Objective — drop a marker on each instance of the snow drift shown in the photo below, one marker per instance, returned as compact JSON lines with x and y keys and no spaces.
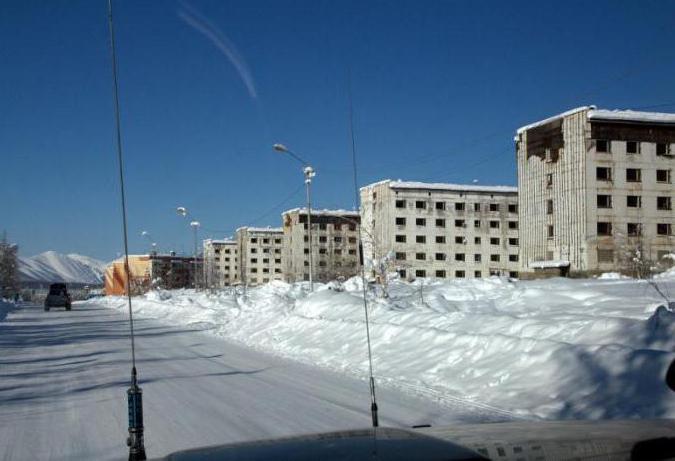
{"x":556,"y":348}
{"x":55,"y":267}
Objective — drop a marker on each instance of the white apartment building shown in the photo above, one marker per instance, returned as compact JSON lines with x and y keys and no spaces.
{"x":334,"y":244}
{"x":441,"y":230}
{"x":260,"y":254}
{"x":221,"y":263}
{"x":595,"y":186}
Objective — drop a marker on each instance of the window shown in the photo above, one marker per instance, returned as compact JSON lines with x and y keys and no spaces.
{"x":420,"y":273}
{"x":633,"y":175}
{"x":306,"y":238}
{"x":420,"y":239}
{"x":400,"y":221}
{"x":476,"y":223}
{"x":306,"y":251}
{"x":513,"y":258}
{"x":663,"y":176}
{"x":277,"y":261}
{"x":254,"y":240}
{"x":550,"y":231}
{"x":277,"y":250}
{"x":494,"y":207}
{"x":306,"y":263}
{"x":352,"y":252}
{"x":513,"y":224}
{"x":400,"y":238}
{"x":604,"y":201}
{"x":663,"y":229}
{"x":254,"y":270}
{"x":603,"y":173}
{"x":440,"y":239}
{"x":323,"y":239}
{"x":662,"y":149}
{"x":420,"y":256}
{"x":277,"y":241}
{"x":337,"y":226}
{"x":440,"y":223}
{"x":513,"y":274}
{"x":459,"y":274}
{"x":254,"y":260}
{"x":602,"y":145}
{"x":459,"y":257}
{"x":549,"y":180}
{"x":663,"y":203}
{"x":440,"y":205}
{"x":400,"y":256}
{"x":495,"y":258}
{"x":604,"y":228}
{"x":322,"y":251}
{"x":400,"y":203}
{"x":477,"y":257}
{"x":459,"y":206}
{"x":352,"y":227}
{"x":634,"y":201}
{"x":420,"y":205}
{"x":402,"y":273}
{"x":605,"y":256}
{"x":476,"y":207}
{"x":633,"y":229}
{"x":440,"y":274}
{"x":549,"y":206}
{"x":337,"y":239}
{"x":277,"y":271}
{"x":513,"y":242}
{"x":266,"y":260}
{"x":477,"y":274}
{"x":460,"y":240}
{"x":254,"y":250}
{"x":266,"y":250}
{"x":459,"y":223}
{"x":322,"y":263}
{"x":420,"y":222}
{"x":440,"y":256}
{"x":476,"y":240}
{"x":494,"y":224}
{"x":352,"y":239}
{"x":513,"y":208}
{"x":632,"y":147}
{"x":322,"y":226}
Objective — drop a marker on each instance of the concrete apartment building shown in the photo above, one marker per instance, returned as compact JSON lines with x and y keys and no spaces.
{"x":334,"y":243}
{"x":151,"y":271}
{"x":594,"y":186}
{"x":441,"y":230}
{"x":260,"y":254}
{"x":221,"y":263}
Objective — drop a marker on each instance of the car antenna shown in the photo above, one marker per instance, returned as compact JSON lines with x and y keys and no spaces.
{"x":373,"y":399}
{"x":134,"y":393}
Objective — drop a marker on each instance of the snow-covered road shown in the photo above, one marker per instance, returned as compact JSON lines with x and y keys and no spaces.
{"x":63,"y":378}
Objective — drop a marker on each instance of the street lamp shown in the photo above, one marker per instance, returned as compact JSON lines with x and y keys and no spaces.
{"x":182,"y":211}
{"x":309,"y":173}
{"x":153,"y":245}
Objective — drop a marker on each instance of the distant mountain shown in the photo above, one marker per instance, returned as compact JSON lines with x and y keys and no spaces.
{"x":51,"y":266}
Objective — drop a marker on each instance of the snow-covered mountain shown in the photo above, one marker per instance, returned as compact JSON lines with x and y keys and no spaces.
{"x":51,"y":266}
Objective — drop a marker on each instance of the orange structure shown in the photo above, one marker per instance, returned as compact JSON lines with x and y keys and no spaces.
{"x":151,"y":271}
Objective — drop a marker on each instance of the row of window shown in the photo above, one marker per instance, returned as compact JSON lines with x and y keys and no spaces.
{"x":277,"y":241}
{"x":254,"y":270}
{"x":633,"y":229}
{"x":265,"y":261}
{"x":334,"y":264}
{"x":226,"y":251}
{"x":323,"y":251}
{"x":422,"y":222}
{"x":458,"y":273}
{"x":459,"y":239}
{"x":459,"y":257}
{"x":632,"y":147}
{"x":337,"y":226}
{"x":336,"y":239}
{"x":265,"y":250}
{"x":458,"y":206}
{"x":603,"y":173}
{"x":634,"y":201}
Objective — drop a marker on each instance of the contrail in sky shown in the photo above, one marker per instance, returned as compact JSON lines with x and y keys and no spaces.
{"x":202,"y":25}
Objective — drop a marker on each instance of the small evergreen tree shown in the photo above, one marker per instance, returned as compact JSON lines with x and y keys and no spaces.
{"x":9,"y":277}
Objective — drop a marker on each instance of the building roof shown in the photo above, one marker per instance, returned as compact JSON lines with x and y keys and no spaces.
{"x":273,"y":230}
{"x":631,"y":115}
{"x":550,"y":119}
{"x":220,"y":242}
{"x":322,"y":212}
{"x":444,"y":186}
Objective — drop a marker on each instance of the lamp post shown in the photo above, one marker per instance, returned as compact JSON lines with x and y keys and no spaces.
{"x":309,"y":173}
{"x":182,"y":211}
{"x":153,"y":245}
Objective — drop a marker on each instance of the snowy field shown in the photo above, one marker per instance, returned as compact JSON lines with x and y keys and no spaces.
{"x":557,"y":348}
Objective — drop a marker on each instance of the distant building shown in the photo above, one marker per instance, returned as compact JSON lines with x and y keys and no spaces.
{"x":151,"y":271}
{"x":335,"y":246}
{"x":260,"y":254}
{"x":595,"y":189}
{"x":221,"y":263}
{"x":441,"y":230}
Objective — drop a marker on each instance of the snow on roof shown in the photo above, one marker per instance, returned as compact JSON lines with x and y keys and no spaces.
{"x":323,"y":212}
{"x":550,"y":119}
{"x":549,"y":264}
{"x":450,"y":187}
{"x":631,"y":115}
{"x":275,"y":230}
{"x":221,"y":242}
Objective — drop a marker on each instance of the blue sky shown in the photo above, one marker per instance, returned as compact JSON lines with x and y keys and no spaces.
{"x":438,"y":87}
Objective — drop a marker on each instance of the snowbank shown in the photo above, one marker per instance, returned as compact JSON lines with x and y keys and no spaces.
{"x":556,"y":348}
{"x":5,"y":307}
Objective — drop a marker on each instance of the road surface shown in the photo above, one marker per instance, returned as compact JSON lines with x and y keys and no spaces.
{"x":64,"y":375}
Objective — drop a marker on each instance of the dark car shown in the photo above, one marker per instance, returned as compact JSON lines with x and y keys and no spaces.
{"x":58,"y":296}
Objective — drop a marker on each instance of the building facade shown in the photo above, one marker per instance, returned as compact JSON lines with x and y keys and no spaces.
{"x":221,"y":263}
{"x":260,"y":254}
{"x":151,"y":271}
{"x":334,"y":246}
{"x":596,"y":190}
{"x":441,"y":230}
